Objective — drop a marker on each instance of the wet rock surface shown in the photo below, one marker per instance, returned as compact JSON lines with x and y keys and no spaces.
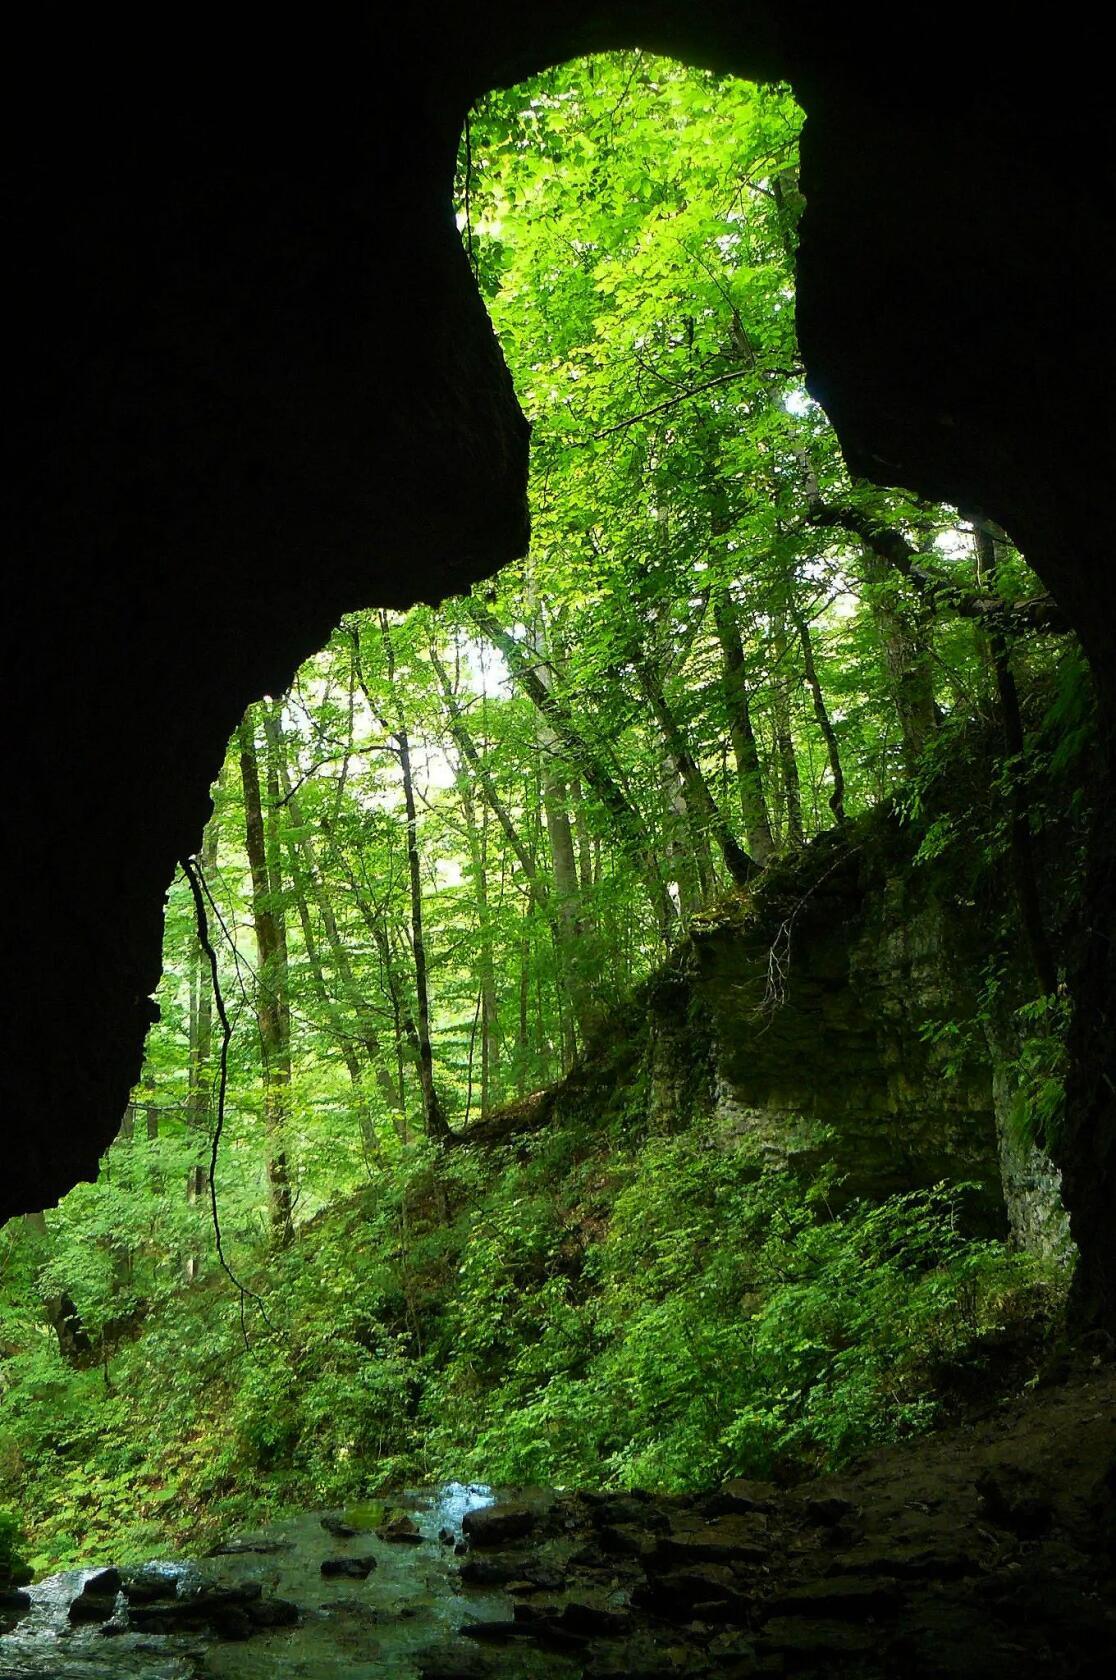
{"x":973,"y":1553}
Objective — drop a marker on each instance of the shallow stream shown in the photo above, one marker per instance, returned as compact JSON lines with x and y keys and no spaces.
{"x":404,"y":1620}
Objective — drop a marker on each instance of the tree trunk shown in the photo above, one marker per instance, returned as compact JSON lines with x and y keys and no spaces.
{"x":821,"y":713}
{"x":734,"y":681}
{"x":684,"y":870}
{"x":201,"y":1047}
{"x":477,"y":839}
{"x":569,"y":925}
{"x":706,"y":820}
{"x":584,"y":839}
{"x":469,"y":751}
{"x":784,"y":740}
{"x":307,"y":878}
{"x":437,"y":1127}
{"x":404,"y":1030}
{"x":907,"y":656}
{"x":274,"y":1019}
{"x":625,"y":820}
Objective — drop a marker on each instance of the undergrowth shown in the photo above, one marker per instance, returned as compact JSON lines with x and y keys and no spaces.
{"x":594,"y":1308}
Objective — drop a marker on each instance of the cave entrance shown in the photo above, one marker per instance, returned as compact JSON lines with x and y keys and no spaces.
{"x":464,"y":833}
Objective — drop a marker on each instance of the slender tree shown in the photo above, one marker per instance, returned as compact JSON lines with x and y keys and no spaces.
{"x":272,"y":1008}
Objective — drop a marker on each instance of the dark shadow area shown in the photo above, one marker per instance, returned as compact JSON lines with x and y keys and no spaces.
{"x":256,"y":389}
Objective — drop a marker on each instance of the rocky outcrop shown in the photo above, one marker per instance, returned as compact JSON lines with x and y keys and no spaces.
{"x":978,"y":1552}
{"x":830,"y":1016}
{"x":835,"y":1002}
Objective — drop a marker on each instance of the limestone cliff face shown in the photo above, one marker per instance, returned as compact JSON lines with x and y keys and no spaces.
{"x":832,"y":1016}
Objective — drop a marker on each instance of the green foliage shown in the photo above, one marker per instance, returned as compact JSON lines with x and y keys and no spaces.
{"x":720,"y":1320}
{"x":599,"y":1305}
{"x":13,"y":1571}
{"x":603,"y":1306}
{"x":1038,"y":1110}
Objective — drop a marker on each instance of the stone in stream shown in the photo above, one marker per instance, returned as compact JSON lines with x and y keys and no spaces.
{"x":492,"y":1629}
{"x":499,"y":1525}
{"x":800,"y":1640}
{"x":145,"y":1586}
{"x":533,"y":1581}
{"x":584,"y":1617}
{"x":239,"y":1548}
{"x":13,"y":1605}
{"x":351,"y":1607}
{"x":273,"y":1612}
{"x":454,"y":1662}
{"x":93,"y":1607}
{"x":234,"y":1612}
{"x":501,"y":1571}
{"x":355,"y":1568}
{"x":645,"y":1657}
{"x":400,"y":1531}
{"x":338,"y":1527}
{"x":96,"y":1602}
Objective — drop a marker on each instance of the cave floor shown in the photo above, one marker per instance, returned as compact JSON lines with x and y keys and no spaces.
{"x":983,"y":1550}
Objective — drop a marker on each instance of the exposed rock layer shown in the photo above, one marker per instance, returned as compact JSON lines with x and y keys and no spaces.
{"x":830,"y":1016}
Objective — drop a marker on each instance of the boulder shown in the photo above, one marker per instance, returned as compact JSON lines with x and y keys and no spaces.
{"x":145,"y":1586}
{"x":238,"y":1548}
{"x":584,"y":1617}
{"x":13,"y":1604}
{"x":941,"y":1562}
{"x":797,"y":1639}
{"x":740,"y":1497}
{"x":96,"y":1602}
{"x":708,"y":1591}
{"x":1015,"y":1499}
{"x":400,"y":1531}
{"x":740,"y":1539}
{"x":628,"y":1508}
{"x":492,"y":1629}
{"x":273,"y":1612}
{"x":625,"y":1540}
{"x":352,"y":1568}
{"x":228,"y":1610}
{"x":499,"y":1525}
{"x":827,"y":1513}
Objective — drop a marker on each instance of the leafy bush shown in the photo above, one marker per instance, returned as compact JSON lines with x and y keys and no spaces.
{"x":13,"y":1571}
{"x":600,"y":1309}
{"x":725,"y":1322}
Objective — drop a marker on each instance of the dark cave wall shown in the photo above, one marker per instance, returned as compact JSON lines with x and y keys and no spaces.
{"x":251,"y":385}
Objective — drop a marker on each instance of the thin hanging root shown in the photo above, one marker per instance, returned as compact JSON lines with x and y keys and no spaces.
{"x":192,"y":871}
